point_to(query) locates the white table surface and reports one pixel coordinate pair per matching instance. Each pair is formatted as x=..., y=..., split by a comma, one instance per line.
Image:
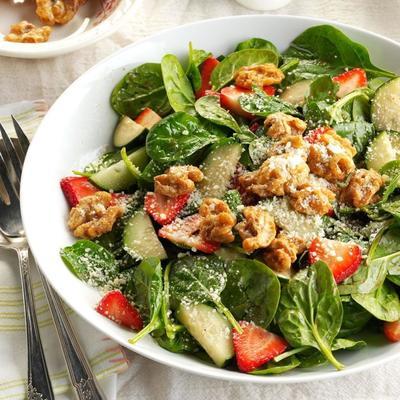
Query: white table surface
x=30, y=79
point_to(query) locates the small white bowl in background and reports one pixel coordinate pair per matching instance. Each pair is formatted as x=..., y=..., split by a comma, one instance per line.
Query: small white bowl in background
x=263, y=5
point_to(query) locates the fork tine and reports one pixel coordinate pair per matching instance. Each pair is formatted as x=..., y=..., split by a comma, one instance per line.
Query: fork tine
x=23, y=140
x=6, y=180
x=12, y=153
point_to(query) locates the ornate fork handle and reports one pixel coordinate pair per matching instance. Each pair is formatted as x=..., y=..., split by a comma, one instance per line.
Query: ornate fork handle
x=39, y=385
x=80, y=373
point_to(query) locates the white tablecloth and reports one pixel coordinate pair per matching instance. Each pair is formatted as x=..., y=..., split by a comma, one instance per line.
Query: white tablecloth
x=29, y=79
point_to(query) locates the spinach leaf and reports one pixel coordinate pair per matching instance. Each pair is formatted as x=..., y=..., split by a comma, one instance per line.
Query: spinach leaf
x=258, y=149
x=394, y=279
x=104, y=161
x=177, y=85
x=311, y=311
x=234, y=200
x=151, y=170
x=183, y=342
x=196, y=58
x=226, y=69
x=176, y=138
x=147, y=279
x=262, y=105
x=316, y=113
x=92, y=263
x=140, y=88
x=200, y=280
x=355, y=317
x=323, y=88
x=392, y=207
x=252, y=291
x=278, y=367
x=257, y=43
x=328, y=44
x=383, y=304
x=209, y=108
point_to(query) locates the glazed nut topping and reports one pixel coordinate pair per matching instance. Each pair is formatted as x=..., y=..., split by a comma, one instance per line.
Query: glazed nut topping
x=25, y=32
x=57, y=12
x=289, y=144
x=362, y=188
x=258, y=75
x=277, y=176
x=312, y=200
x=94, y=215
x=257, y=230
x=281, y=253
x=279, y=124
x=331, y=157
x=177, y=180
x=217, y=221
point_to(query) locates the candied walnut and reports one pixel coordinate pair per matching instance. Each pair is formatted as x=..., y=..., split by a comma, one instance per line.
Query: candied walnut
x=362, y=188
x=25, y=32
x=331, y=157
x=280, y=124
x=177, y=180
x=289, y=144
x=257, y=230
x=312, y=200
x=258, y=75
x=217, y=221
x=94, y=215
x=277, y=176
x=57, y=12
x=282, y=253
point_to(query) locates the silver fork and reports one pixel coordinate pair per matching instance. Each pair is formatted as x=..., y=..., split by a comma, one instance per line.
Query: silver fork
x=82, y=378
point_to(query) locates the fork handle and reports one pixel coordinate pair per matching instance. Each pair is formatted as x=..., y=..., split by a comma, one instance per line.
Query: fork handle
x=39, y=384
x=82, y=378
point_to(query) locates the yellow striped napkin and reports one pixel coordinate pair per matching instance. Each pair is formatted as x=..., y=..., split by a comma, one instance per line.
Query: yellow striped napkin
x=105, y=356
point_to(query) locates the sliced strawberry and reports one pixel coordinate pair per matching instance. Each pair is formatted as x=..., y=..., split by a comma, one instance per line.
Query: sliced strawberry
x=256, y=346
x=115, y=306
x=212, y=93
x=77, y=187
x=147, y=118
x=206, y=70
x=269, y=90
x=185, y=232
x=350, y=80
x=392, y=330
x=343, y=259
x=314, y=135
x=254, y=126
x=164, y=209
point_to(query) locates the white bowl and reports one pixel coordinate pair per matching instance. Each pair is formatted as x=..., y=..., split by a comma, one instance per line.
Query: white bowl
x=81, y=122
x=88, y=26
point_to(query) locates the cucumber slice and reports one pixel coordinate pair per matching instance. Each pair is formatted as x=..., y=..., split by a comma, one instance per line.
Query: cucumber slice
x=126, y=132
x=140, y=239
x=385, y=108
x=210, y=329
x=296, y=94
x=384, y=148
x=117, y=176
x=218, y=169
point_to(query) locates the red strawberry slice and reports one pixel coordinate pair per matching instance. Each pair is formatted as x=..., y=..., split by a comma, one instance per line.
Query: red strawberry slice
x=164, y=209
x=115, y=306
x=230, y=98
x=350, y=80
x=212, y=93
x=147, y=118
x=343, y=259
x=185, y=232
x=256, y=346
x=77, y=187
x=314, y=135
x=206, y=70
x=392, y=330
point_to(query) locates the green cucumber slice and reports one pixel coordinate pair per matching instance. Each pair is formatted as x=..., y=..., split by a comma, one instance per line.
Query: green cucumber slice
x=385, y=108
x=210, y=329
x=140, y=239
x=117, y=176
x=218, y=169
x=297, y=93
x=384, y=148
x=126, y=132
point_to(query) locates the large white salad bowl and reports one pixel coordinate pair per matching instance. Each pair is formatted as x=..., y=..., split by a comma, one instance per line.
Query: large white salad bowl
x=81, y=122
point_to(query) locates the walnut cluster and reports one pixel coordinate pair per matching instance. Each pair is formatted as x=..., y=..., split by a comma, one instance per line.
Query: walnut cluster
x=258, y=75
x=177, y=180
x=61, y=12
x=362, y=188
x=217, y=221
x=25, y=32
x=257, y=230
x=279, y=125
x=331, y=157
x=94, y=215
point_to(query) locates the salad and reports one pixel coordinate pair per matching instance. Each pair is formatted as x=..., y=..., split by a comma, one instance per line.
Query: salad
x=248, y=212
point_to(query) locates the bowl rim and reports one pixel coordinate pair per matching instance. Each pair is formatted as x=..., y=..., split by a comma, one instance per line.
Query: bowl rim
x=216, y=373
x=73, y=42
